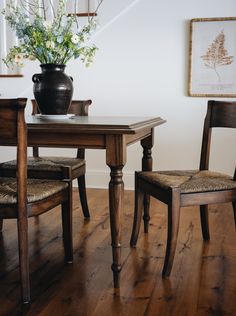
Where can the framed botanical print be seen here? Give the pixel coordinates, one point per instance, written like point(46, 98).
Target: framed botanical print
point(212, 68)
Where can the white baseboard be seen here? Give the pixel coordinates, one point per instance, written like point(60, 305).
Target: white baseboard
point(101, 178)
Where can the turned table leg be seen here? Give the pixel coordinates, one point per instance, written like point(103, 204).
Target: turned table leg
point(116, 193)
point(115, 159)
point(147, 144)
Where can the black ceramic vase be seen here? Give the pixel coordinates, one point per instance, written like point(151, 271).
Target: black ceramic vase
point(53, 89)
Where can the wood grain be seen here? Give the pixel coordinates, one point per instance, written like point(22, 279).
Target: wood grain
point(202, 280)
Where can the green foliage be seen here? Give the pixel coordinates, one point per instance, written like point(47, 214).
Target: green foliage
point(55, 41)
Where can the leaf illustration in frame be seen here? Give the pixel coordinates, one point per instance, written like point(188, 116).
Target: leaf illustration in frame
point(217, 55)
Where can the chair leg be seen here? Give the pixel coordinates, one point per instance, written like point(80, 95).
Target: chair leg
point(83, 196)
point(66, 208)
point(146, 216)
point(22, 225)
point(172, 232)
point(1, 225)
point(138, 210)
point(234, 209)
point(204, 222)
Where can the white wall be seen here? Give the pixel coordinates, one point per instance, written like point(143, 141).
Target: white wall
point(141, 69)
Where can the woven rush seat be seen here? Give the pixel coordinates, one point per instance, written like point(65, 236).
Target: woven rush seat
point(46, 163)
point(190, 181)
point(37, 189)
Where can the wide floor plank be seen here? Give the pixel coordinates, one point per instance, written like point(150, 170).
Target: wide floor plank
point(202, 280)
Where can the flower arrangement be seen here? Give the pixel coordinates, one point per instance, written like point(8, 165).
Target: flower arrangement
point(54, 41)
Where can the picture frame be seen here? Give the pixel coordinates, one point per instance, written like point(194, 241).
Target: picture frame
point(212, 57)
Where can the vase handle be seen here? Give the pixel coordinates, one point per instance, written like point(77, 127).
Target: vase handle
point(71, 79)
point(36, 78)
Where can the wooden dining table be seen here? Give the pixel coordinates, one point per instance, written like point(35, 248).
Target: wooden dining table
point(113, 134)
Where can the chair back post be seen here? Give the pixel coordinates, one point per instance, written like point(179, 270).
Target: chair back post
point(21, 158)
point(80, 108)
point(35, 110)
point(206, 140)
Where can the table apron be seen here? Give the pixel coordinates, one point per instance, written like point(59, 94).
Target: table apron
point(130, 139)
point(66, 140)
point(70, 140)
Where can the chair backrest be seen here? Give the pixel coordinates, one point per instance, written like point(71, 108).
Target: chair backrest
point(13, 131)
point(219, 114)
point(77, 107)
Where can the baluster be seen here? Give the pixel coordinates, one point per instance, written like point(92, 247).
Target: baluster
point(15, 41)
point(50, 13)
point(26, 8)
point(3, 37)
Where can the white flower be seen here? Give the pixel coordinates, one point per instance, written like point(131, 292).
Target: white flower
point(50, 44)
point(75, 39)
point(47, 25)
point(31, 57)
point(19, 59)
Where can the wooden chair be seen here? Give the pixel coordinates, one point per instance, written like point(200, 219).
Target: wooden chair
point(54, 167)
point(21, 198)
point(188, 188)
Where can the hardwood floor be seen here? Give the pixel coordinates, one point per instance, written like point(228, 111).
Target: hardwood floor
point(203, 280)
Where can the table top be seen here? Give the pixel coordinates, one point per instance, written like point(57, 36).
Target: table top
point(94, 124)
